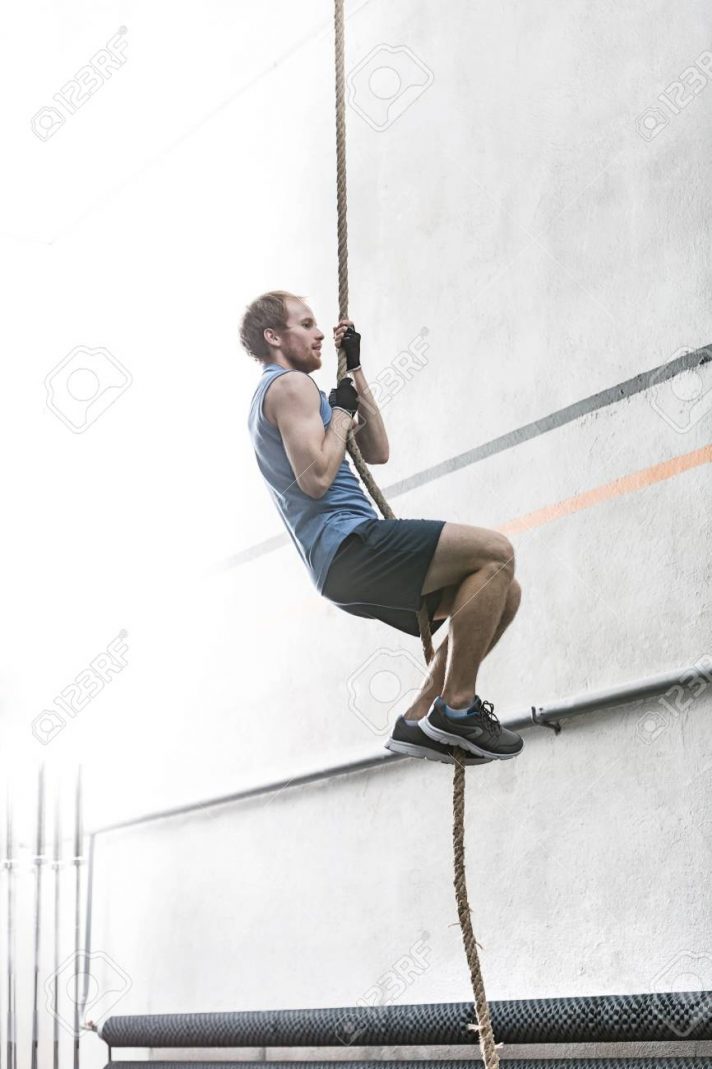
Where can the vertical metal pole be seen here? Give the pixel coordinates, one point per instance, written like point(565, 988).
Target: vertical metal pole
point(3, 868)
point(57, 865)
point(39, 860)
point(9, 862)
point(77, 860)
point(89, 892)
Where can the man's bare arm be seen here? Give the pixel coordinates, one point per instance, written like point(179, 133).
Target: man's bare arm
point(370, 432)
point(315, 454)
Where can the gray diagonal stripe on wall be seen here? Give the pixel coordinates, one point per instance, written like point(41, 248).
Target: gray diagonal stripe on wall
point(597, 401)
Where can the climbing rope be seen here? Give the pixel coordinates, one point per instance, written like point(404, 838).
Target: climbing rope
point(483, 1027)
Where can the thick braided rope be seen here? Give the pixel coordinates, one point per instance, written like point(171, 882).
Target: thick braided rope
point(484, 1024)
point(343, 250)
point(483, 1027)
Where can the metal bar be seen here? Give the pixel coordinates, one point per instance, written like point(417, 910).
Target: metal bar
point(534, 716)
point(656, 1017)
point(3, 868)
point(11, 1000)
point(39, 861)
point(77, 861)
point(57, 865)
point(275, 786)
point(625, 694)
point(87, 926)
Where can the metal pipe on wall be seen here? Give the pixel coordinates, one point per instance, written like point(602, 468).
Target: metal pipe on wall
point(547, 716)
point(651, 687)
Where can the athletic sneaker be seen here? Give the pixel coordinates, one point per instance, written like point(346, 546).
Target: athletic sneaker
point(407, 738)
point(476, 730)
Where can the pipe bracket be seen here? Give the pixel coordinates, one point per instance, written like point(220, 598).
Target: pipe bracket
point(537, 719)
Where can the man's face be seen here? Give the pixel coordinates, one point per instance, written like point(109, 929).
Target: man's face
point(301, 340)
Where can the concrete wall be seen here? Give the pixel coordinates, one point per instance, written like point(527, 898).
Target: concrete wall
point(534, 224)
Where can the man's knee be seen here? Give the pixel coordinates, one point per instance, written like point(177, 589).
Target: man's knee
point(463, 550)
point(494, 554)
point(514, 597)
point(502, 554)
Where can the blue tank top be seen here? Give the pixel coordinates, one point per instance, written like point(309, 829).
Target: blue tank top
point(316, 526)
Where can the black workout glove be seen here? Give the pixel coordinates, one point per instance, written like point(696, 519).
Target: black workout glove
point(351, 344)
point(345, 396)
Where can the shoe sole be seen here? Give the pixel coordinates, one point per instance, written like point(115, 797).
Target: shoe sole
point(438, 735)
point(411, 750)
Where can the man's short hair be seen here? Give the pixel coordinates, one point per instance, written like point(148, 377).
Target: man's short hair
point(269, 310)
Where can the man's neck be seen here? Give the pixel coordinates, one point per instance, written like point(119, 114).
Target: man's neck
point(280, 361)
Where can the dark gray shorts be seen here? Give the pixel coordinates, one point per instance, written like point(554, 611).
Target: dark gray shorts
point(379, 570)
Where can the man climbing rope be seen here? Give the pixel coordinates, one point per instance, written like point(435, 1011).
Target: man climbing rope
point(377, 568)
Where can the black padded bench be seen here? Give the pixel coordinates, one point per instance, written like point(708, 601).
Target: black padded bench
point(662, 1017)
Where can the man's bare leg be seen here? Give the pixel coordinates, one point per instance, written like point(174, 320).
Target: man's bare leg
point(478, 606)
point(477, 565)
point(435, 679)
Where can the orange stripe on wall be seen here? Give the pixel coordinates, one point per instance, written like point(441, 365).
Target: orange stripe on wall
point(637, 480)
point(625, 485)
